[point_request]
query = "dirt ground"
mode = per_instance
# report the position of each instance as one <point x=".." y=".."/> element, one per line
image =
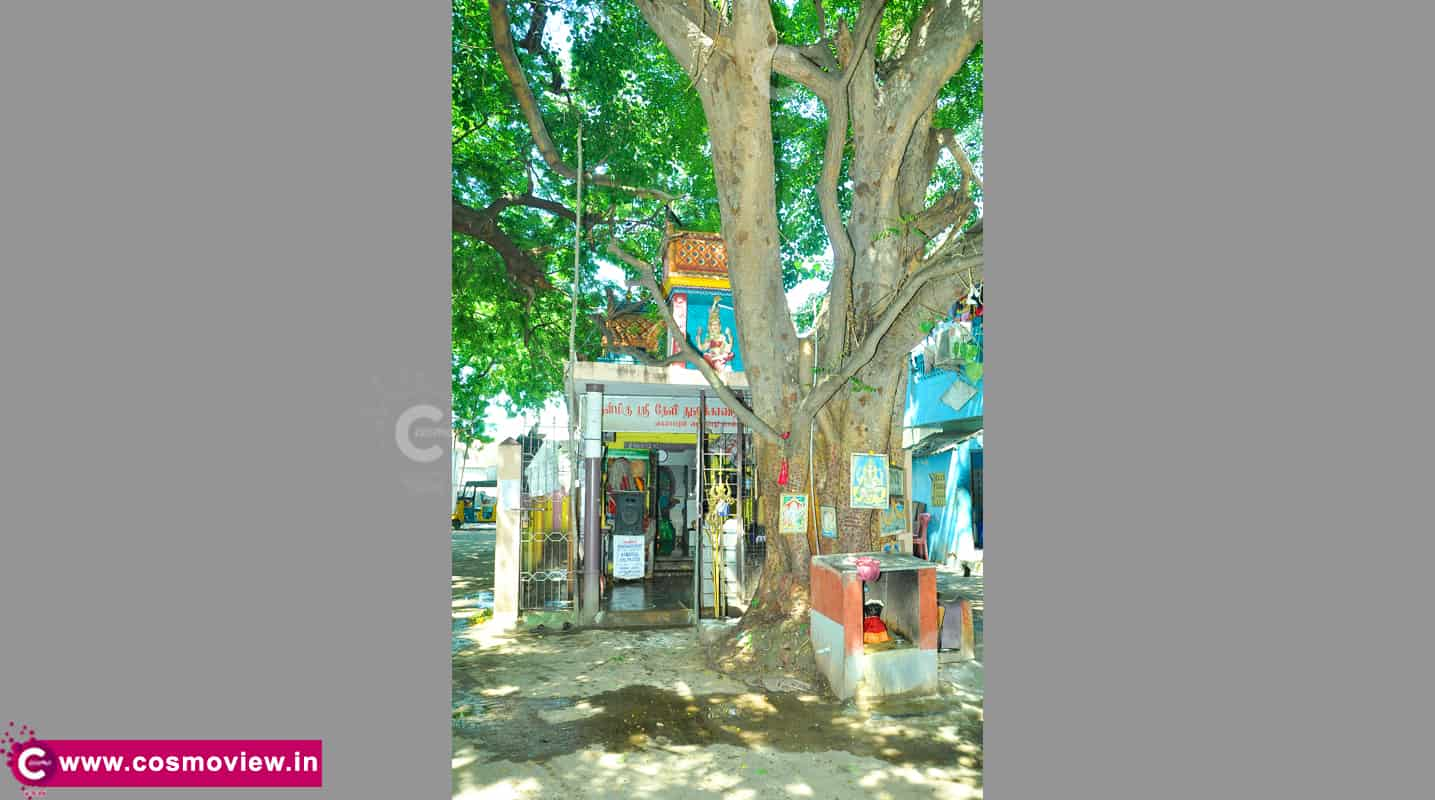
<point x="638" y="714"/>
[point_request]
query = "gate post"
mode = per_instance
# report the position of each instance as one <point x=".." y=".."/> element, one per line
<point x="507" y="559"/>
<point x="592" y="506"/>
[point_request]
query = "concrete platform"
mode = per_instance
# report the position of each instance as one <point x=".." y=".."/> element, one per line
<point x="654" y="618"/>
<point x="907" y="586"/>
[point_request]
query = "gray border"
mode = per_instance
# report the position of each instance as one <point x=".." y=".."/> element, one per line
<point x="222" y="232"/>
<point x="225" y="249"/>
<point x="1209" y="436"/>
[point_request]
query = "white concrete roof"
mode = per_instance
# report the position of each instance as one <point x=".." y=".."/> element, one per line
<point x="674" y="380"/>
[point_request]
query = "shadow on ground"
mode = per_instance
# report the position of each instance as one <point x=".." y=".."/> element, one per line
<point x="638" y="714"/>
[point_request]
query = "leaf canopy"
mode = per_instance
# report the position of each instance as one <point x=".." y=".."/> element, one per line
<point x="598" y="65"/>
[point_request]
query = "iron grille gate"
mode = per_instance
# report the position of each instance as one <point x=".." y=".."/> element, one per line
<point x="726" y="455"/>
<point x="546" y="553"/>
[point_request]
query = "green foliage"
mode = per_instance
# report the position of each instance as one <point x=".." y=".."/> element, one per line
<point x="642" y="123"/>
<point x="960" y="108"/>
<point x="806" y="314"/>
<point x="859" y="386"/>
<point x="508" y="346"/>
<point x="505" y="344"/>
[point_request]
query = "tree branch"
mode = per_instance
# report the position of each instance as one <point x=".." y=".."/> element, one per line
<point x="503" y="44"/>
<point x="956" y="205"/>
<point x="533" y="41"/>
<point x="532" y="201"/>
<point x="844" y="257"/>
<point x="795" y="63"/>
<point x="966" y="259"/>
<point x="944" y="35"/>
<point x="947" y="138"/>
<point x="689" y="352"/>
<point x="821" y="54"/>
<point x="673" y="23"/>
<point x="952" y="208"/>
<point x="483" y="226"/>
<point x="471" y="130"/>
<point x="867" y="20"/>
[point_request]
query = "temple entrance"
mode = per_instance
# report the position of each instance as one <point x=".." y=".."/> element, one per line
<point x="668" y="499"/>
<point x="649" y="529"/>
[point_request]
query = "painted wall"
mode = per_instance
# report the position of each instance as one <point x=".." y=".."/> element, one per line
<point x="924" y="400"/>
<point x="700" y="304"/>
<point x="924" y="395"/>
<point x="950" y="530"/>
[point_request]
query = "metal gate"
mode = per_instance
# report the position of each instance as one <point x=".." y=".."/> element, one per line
<point x="546" y="552"/>
<point x="725" y="456"/>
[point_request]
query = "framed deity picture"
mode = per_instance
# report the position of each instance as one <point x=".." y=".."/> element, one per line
<point x="793" y="518"/>
<point x="870" y="484"/>
<point x="829" y="522"/>
<point x="895" y="520"/>
<point x="896" y="479"/>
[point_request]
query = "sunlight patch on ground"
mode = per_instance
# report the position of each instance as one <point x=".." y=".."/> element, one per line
<point x="755" y="702"/>
<point x="503" y="790"/>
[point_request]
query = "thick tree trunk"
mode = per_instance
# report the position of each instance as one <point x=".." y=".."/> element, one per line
<point x="730" y="60"/>
<point x="772" y="638"/>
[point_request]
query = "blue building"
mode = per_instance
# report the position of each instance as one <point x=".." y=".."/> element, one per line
<point x="942" y="433"/>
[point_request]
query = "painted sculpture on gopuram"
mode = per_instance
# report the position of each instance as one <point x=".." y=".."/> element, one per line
<point x="717" y="349"/>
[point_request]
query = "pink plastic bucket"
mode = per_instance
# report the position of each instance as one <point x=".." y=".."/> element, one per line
<point x="868" y="569"/>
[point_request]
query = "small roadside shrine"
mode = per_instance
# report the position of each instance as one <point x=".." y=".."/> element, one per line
<point x="666" y="510"/>
<point x="905" y="588"/>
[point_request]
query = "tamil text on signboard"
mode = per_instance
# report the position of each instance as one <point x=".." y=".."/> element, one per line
<point x="664" y="415"/>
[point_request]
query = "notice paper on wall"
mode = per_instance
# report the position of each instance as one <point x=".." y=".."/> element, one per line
<point x="508" y="494"/>
<point x="628" y="557"/>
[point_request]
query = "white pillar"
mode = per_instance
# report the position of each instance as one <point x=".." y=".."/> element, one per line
<point x="507" y="559"/>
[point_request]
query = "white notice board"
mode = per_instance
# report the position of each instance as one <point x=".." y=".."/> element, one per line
<point x="628" y="557"/>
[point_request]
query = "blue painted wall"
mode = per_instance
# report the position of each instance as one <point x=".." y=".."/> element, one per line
<point x="699" y="306"/>
<point x="924" y="400"/>
<point x="950" y="530"/>
<point x="924" y="395"/>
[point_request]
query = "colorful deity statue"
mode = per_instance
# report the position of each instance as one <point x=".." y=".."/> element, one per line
<point x="717" y="348"/>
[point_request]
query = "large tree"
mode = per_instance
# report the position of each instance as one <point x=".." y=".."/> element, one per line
<point x="513" y="224"/>
<point x="829" y="129"/>
<point x="513" y="206"/>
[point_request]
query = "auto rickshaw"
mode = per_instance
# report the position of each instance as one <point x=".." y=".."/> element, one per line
<point x="463" y="507"/>
<point x="486" y="504"/>
<point x="472" y="506"/>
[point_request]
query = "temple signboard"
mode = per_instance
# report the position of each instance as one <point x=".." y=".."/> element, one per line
<point x="634" y="414"/>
